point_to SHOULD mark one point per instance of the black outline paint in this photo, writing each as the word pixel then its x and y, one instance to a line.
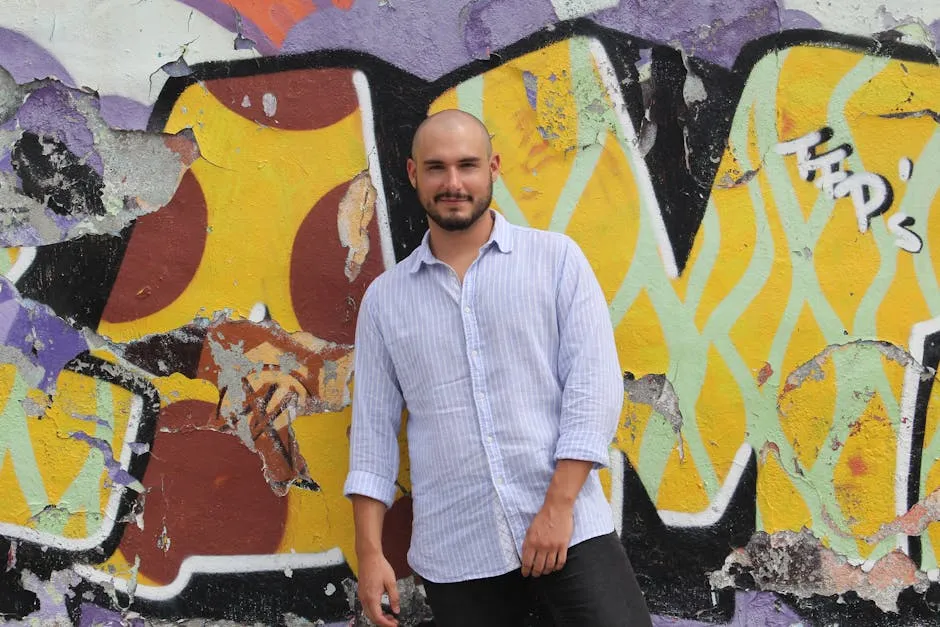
pixel 671 563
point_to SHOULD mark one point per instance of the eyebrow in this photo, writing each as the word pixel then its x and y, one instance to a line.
pixel 462 161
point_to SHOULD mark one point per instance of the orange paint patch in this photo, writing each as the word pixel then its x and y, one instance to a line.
pixel 275 19
pixel 345 5
pixel 857 465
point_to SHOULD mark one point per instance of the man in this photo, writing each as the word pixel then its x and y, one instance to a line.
pixel 498 341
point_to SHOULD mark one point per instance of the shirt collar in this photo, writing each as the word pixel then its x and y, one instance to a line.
pixel 501 237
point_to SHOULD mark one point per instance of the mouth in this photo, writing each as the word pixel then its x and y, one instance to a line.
pixel 451 200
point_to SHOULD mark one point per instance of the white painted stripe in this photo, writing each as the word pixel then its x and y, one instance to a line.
pixel 24 259
pixel 641 173
pixel 716 509
pixel 361 83
pixel 912 374
pixel 213 565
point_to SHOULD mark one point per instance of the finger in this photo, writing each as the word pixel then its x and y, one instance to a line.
pixel 374 613
pixel 386 620
pixel 561 559
pixel 528 555
pixel 538 564
pixel 391 587
pixel 372 608
pixel 550 559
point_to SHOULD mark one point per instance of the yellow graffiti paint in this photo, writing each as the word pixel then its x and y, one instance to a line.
pixel 863 479
pixel 259 184
pixel 779 503
pixel 87 420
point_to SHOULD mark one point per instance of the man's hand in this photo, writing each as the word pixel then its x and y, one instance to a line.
pixel 376 577
pixel 545 548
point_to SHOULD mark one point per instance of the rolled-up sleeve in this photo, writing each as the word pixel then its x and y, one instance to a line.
pixel 376 414
pixel 588 366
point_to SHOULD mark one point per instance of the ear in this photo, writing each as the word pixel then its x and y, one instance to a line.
pixel 412 172
pixel 494 167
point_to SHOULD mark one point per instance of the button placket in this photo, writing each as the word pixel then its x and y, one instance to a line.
pixel 477 376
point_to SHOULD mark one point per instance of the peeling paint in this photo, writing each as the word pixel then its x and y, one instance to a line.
pixel 51 594
pixel 812 369
pixel 657 391
pixel 269 104
pixel 116 473
pixel 73 174
pixel 797 563
pixel 765 373
pixel 356 210
pixel 913 522
pixel 266 387
pixel 11 556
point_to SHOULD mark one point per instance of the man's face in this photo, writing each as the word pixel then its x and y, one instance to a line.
pixel 453 174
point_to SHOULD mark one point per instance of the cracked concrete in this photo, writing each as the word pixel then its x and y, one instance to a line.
pixel 658 392
pixel 72 174
pixel 797 563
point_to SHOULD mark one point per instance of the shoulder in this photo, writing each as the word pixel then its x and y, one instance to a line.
pixel 538 241
pixel 390 282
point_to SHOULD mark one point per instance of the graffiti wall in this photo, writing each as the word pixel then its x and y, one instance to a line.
pixel 195 194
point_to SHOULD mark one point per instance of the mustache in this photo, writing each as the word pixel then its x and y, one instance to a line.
pixel 448 196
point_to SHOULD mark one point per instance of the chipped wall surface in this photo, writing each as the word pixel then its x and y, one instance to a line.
pixel 195 194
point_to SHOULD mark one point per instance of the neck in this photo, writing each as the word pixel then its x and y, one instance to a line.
pixel 451 245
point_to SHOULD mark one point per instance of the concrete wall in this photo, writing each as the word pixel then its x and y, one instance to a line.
pixel 194 195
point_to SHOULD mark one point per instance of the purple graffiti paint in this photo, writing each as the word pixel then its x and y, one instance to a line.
pixel 712 31
pixel 761 608
pixel 223 14
pixel 750 608
pixel 26 61
pixel 51 110
pixel 531 82
pixel 426 41
pixel 124 113
pixel 117 474
pixel 44 339
pixel 93 615
pixel 477 37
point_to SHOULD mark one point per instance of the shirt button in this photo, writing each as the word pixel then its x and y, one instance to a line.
pixel 466 309
pixel 474 353
pixel 489 438
pixel 480 395
pixel 499 480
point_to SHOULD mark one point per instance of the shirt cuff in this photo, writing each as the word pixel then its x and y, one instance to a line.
pixel 598 454
pixel 371 485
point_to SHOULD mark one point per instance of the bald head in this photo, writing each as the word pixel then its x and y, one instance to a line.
pixel 449 121
pixel 453 167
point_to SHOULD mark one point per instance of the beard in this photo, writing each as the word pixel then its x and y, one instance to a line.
pixel 450 222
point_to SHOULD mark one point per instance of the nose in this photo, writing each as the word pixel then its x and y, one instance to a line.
pixel 453 178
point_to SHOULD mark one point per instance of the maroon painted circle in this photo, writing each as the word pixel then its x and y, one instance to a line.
pixel 207 490
pixel 325 302
pixel 162 256
pixel 302 99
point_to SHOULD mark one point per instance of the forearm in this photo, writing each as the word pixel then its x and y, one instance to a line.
pixel 566 483
pixel 368 517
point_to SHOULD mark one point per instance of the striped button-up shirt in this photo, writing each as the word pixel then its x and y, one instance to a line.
pixel 502 376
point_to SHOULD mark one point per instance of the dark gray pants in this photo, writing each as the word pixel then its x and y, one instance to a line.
pixel 596 588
